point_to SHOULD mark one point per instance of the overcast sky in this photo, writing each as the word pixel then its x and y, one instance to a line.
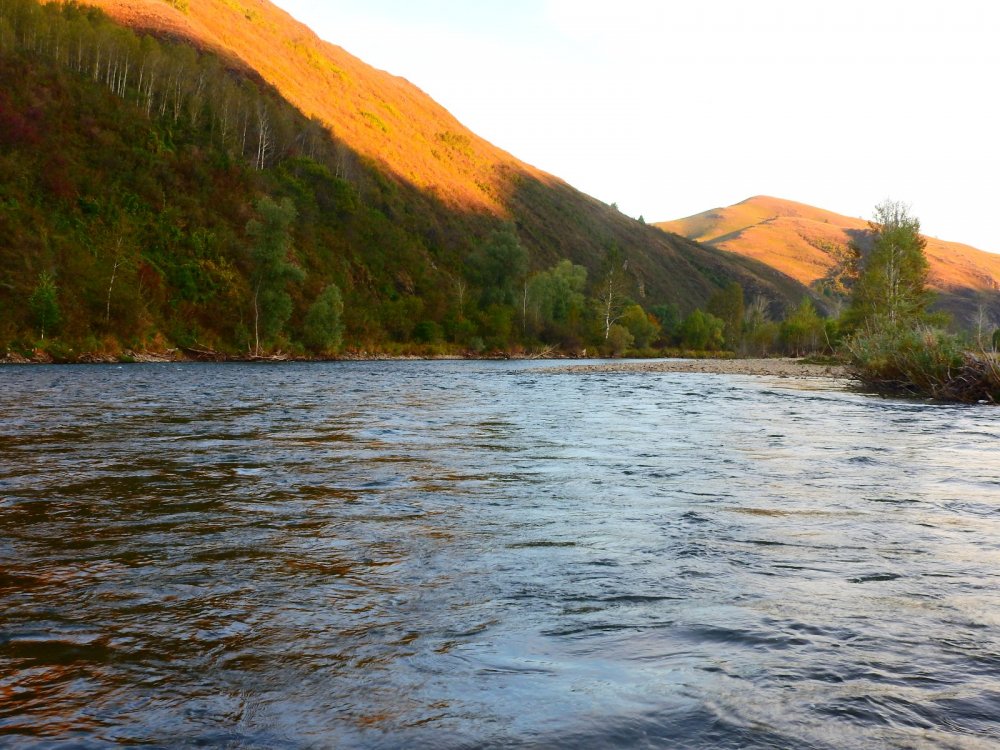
pixel 671 108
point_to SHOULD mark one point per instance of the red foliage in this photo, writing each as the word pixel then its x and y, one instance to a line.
pixel 56 179
pixel 15 128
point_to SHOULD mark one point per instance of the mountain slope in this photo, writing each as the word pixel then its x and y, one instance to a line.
pixel 810 245
pixel 440 166
pixel 136 172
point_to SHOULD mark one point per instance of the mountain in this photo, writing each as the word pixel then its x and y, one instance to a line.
pixel 811 244
pixel 152 154
pixel 385 121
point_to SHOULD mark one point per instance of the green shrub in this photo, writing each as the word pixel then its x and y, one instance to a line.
pixel 924 362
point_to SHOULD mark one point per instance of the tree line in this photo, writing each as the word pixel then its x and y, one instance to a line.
pixel 202 211
pixel 172 81
pixel 159 199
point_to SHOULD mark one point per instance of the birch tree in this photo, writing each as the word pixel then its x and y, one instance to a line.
pixel 891 288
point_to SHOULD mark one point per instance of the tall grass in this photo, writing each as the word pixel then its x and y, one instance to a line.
pixel 925 362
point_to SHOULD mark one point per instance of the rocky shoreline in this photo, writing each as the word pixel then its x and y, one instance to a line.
pixel 778 367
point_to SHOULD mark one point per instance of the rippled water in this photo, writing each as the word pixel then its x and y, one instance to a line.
pixel 485 554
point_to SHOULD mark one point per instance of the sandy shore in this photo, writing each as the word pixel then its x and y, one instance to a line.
pixel 782 368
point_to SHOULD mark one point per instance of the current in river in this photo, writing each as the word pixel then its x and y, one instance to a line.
pixel 491 555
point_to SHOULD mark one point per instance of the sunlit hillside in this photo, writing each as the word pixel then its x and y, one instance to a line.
pixel 388 123
pixel 810 244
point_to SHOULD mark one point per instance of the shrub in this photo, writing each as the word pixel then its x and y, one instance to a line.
pixel 619 339
pixel 924 362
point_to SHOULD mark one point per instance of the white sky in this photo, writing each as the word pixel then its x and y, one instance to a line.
pixel 671 107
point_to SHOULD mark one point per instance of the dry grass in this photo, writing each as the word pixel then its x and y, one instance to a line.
pixel 362 105
pixel 803 242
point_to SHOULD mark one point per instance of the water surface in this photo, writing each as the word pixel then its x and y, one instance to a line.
pixel 488 555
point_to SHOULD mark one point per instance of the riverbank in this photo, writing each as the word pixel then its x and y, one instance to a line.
pixel 777 367
pixel 205 355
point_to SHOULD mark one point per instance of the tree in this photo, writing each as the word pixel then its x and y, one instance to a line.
pixel 890 291
pixel 669 316
pixel 557 298
pixel 727 305
pixel 619 339
pixel 498 267
pixel 702 331
pixel 272 267
pixel 612 287
pixel 323 329
pixel 803 330
pixel 760 333
pixel 44 304
pixel 643 328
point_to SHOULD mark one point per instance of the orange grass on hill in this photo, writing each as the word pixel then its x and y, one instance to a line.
pixel 408 137
pixel 807 243
pixel 379 115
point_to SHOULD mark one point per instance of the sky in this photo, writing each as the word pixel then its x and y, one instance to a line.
pixel 669 108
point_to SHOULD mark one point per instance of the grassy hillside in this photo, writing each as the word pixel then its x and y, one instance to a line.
pixel 810 245
pixel 143 181
pixel 387 122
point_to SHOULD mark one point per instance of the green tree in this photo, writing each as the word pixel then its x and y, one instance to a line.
pixel 669 316
pixel 557 299
pixel 803 331
pixel 619 340
pixel 890 290
pixel 727 305
pixel 498 268
pixel 44 304
pixel 323 329
pixel 272 267
pixel 702 331
pixel 760 333
pixel 643 328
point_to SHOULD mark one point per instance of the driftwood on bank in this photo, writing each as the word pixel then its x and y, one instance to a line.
pixel 203 354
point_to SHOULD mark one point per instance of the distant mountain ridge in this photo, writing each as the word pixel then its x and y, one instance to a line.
pixel 809 244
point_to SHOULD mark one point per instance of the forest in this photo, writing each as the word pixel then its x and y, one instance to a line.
pixel 155 198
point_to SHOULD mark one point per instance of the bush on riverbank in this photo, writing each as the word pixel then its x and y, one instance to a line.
pixel 924 361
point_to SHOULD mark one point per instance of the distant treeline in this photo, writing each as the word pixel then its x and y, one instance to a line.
pixel 151 197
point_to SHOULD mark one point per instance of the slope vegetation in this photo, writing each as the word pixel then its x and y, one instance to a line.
pixel 136 169
pixel 384 121
pixel 811 245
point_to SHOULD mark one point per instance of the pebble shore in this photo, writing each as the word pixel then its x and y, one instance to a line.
pixel 782 368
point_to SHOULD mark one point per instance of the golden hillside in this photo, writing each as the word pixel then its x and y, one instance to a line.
pixel 378 114
pixel 809 243
pixel 445 172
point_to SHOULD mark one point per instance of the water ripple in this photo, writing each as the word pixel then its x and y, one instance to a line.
pixel 468 555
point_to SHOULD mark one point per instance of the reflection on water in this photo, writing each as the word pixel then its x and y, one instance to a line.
pixel 480 554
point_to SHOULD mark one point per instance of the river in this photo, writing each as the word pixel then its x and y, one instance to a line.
pixel 477 554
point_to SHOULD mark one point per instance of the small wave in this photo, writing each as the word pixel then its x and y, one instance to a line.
pixel 875 578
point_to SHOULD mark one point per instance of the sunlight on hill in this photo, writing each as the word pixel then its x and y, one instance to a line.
pixel 361 105
pixel 805 242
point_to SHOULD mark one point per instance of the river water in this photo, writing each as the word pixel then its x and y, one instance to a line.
pixel 470 554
